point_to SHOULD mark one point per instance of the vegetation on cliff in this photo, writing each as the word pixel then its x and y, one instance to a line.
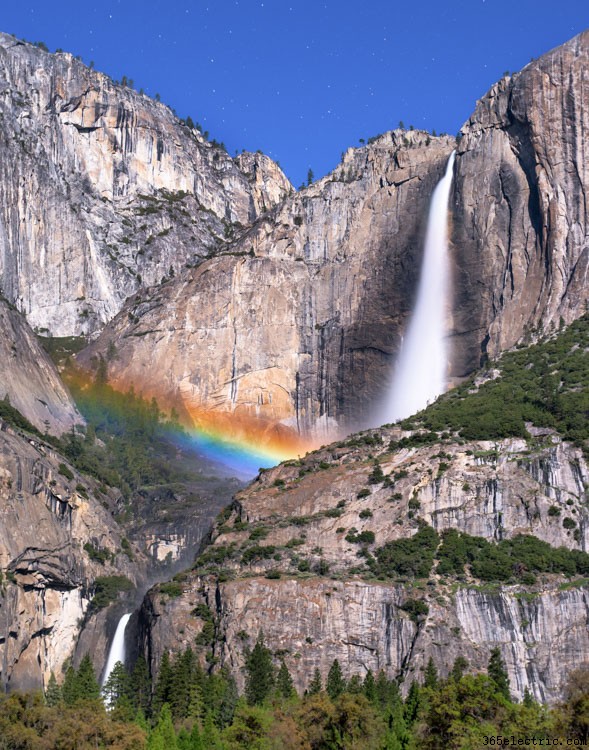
pixel 546 384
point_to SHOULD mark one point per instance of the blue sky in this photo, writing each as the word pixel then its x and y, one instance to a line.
pixel 303 80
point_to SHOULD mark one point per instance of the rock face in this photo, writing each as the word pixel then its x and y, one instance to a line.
pixel 363 626
pixel 301 322
pixel 303 513
pixel 29 378
pixel 520 220
pixel 51 529
pixel 103 189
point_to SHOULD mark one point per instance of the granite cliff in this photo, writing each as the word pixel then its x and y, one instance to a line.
pixel 424 539
pixel 302 318
pixel 29 379
pixel 103 189
pixel 58 541
pixel 285 561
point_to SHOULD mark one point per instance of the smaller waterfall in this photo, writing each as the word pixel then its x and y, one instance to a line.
pixel 117 649
pixel 420 373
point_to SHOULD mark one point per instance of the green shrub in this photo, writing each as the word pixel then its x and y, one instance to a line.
pixel 517 559
pixel 65 471
pixel 261 532
pixel 207 634
pixel 364 537
pixel 97 555
pixel 107 588
pixel 172 589
pixel 363 493
pixel 554 510
pixel 412 557
pixel 258 552
pixel 294 542
pixel 202 612
pixel 415 608
pixel 377 474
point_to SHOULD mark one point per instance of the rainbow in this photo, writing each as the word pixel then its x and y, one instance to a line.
pixel 242 444
pixel 239 444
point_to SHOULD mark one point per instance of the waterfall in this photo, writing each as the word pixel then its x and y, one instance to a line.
pixel 420 373
pixel 117 649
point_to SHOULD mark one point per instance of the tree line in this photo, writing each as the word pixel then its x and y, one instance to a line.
pixel 190 708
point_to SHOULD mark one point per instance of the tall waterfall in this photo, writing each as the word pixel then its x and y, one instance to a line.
pixel 420 373
pixel 117 649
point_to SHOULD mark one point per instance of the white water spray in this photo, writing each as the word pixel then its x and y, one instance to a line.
pixel 117 649
pixel 420 373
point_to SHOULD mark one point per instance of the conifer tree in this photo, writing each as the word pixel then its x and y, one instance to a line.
pixel 316 684
pixel 210 736
pixel 335 681
pixel 498 673
pixel 162 688
pixel 87 686
pixel 117 686
pixel 355 685
pixel 196 742
pixel 53 692
pixel 163 735
pixel 181 683
pixel 369 686
pixel 260 673
pixel 412 703
pixel 140 685
pixel 69 688
pixel 430 679
pixel 284 682
pixel 387 693
pixel 459 668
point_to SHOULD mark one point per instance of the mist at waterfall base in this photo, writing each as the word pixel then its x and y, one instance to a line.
pixel 117 649
pixel 420 373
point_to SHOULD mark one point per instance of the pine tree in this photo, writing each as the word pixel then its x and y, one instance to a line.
pixel 355 685
pixel 163 734
pixel 140 685
pixel 316 684
pixel 431 675
pixel 196 742
pixel 210 737
pixel 162 688
pixel 181 683
pixel 69 689
pixel 117 685
pixel 335 681
pixel 387 693
pixel 310 176
pixel 369 687
pixel 412 703
pixel 459 668
pixel 53 692
pixel 260 673
pixel 498 673
pixel 284 682
pixel 87 686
